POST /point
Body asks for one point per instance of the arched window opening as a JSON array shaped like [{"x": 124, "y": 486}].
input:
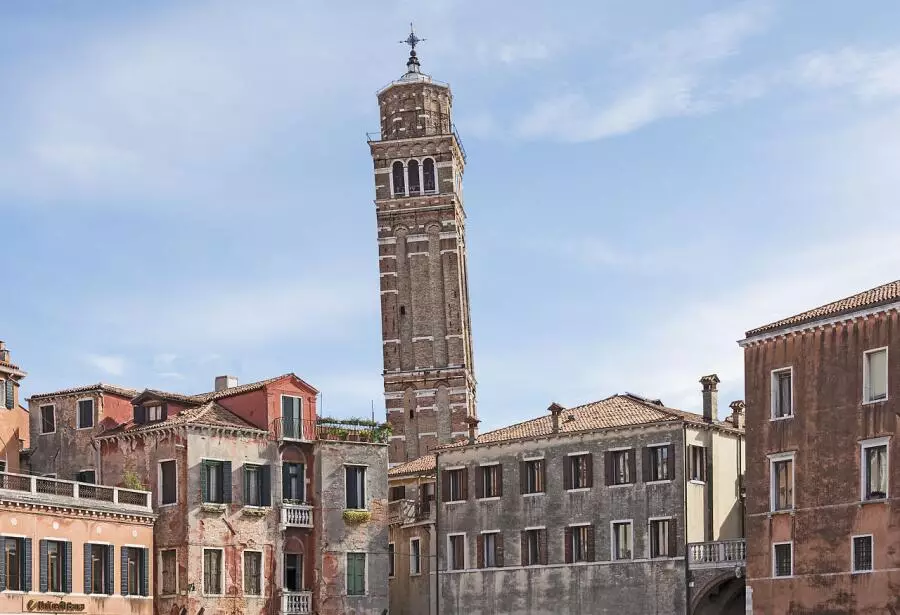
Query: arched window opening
[
  {"x": 412, "y": 169},
  {"x": 399, "y": 181},
  {"x": 428, "y": 174}
]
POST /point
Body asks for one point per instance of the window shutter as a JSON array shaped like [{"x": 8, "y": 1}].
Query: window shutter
[
  {"x": 524, "y": 545},
  {"x": 110, "y": 569},
  {"x": 523, "y": 477},
  {"x": 589, "y": 470},
  {"x": 567, "y": 472},
  {"x": 590, "y": 543},
  {"x": 27, "y": 575},
  {"x": 123, "y": 571},
  {"x": 140, "y": 415},
  {"x": 498, "y": 545},
  {"x": 703, "y": 464},
  {"x": 500, "y": 480},
  {"x": 44, "y": 563},
  {"x": 542, "y": 546},
  {"x": 608, "y": 467},
  {"x": 226, "y": 482},
  {"x": 87, "y": 568},
  {"x": 204, "y": 482},
  {"x": 542, "y": 464},
  {"x": 568, "y": 545},
  {"x": 445, "y": 486},
  {"x": 632, "y": 466},
  {"x": 246, "y": 485},
  {"x": 673, "y": 538},
  {"x": 646, "y": 460},
  {"x": 479, "y": 481},
  {"x": 265, "y": 491},
  {"x": 670, "y": 462},
  {"x": 2, "y": 563},
  {"x": 10, "y": 393},
  {"x": 164, "y": 411},
  {"x": 479, "y": 550},
  {"x": 145, "y": 572},
  {"x": 67, "y": 549},
  {"x": 286, "y": 481},
  {"x": 465, "y": 483}
]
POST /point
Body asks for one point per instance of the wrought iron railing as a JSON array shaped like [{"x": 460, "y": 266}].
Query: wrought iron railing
[
  {"x": 718, "y": 553},
  {"x": 72, "y": 492}
]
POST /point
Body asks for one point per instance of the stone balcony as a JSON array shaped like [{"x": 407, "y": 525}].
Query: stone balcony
[
  {"x": 296, "y": 515},
  {"x": 53, "y": 491},
  {"x": 718, "y": 554},
  {"x": 403, "y": 512},
  {"x": 296, "y": 603}
]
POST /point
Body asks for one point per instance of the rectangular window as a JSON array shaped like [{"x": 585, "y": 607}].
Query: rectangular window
[
  {"x": 291, "y": 408},
  {"x": 533, "y": 476},
  {"x": 168, "y": 564},
  {"x": 293, "y": 482},
  {"x": 621, "y": 540},
  {"x": 874, "y": 465},
  {"x": 213, "y": 481},
  {"x": 134, "y": 559},
  {"x": 580, "y": 544},
  {"x": 97, "y": 557},
  {"x": 48, "y": 419},
  {"x": 168, "y": 482},
  {"x": 56, "y": 563},
  {"x": 356, "y": 574},
  {"x": 356, "y": 487},
  {"x": 782, "y": 393},
  {"x": 875, "y": 375},
  {"x": 491, "y": 481},
  {"x": 252, "y": 573},
  {"x": 489, "y": 543},
  {"x": 154, "y": 413},
  {"x": 212, "y": 572},
  {"x": 782, "y": 470},
  {"x": 697, "y": 463},
  {"x": 86, "y": 476},
  {"x": 293, "y": 572},
  {"x": 622, "y": 467},
  {"x": 658, "y": 459},
  {"x": 861, "y": 547},
  {"x": 252, "y": 485},
  {"x": 397, "y": 493},
  {"x": 456, "y": 483},
  {"x": 457, "y": 551},
  {"x": 14, "y": 561},
  {"x": 782, "y": 559},
  {"x": 85, "y": 413},
  {"x": 660, "y": 538},
  {"x": 2, "y": 466},
  {"x": 391, "y": 563},
  {"x": 534, "y": 547},
  {"x": 578, "y": 473},
  {"x": 415, "y": 556}
]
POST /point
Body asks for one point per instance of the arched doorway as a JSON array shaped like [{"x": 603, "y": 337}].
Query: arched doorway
[{"x": 724, "y": 594}]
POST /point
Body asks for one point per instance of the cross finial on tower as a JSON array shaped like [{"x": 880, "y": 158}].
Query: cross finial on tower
[{"x": 412, "y": 64}]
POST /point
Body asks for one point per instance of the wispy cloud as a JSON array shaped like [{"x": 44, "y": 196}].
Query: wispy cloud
[
  {"x": 109, "y": 364},
  {"x": 872, "y": 75}
]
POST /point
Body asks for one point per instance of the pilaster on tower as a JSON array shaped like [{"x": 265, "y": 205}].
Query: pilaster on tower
[{"x": 429, "y": 382}]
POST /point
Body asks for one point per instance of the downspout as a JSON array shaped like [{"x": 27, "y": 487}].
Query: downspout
[
  {"x": 684, "y": 512},
  {"x": 438, "y": 499}
]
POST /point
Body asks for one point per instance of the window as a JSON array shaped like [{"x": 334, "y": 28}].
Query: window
[
  {"x": 659, "y": 462},
  {"x": 782, "y": 393},
  {"x": 56, "y": 562},
  {"x": 491, "y": 485},
  {"x": 154, "y": 413},
  {"x": 391, "y": 570},
  {"x": 456, "y": 485},
  {"x": 356, "y": 574},
  {"x": 168, "y": 564},
  {"x": 86, "y": 476},
  {"x": 293, "y": 572},
  {"x": 291, "y": 408},
  {"x": 532, "y": 476},
  {"x": 415, "y": 556},
  {"x": 861, "y": 547},
  {"x": 293, "y": 482},
  {"x": 134, "y": 572},
  {"x": 426, "y": 497},
  {"x": 620, "y": 467},
  {"x": 252, "y": 573},
  {"x": 397, "y": 493},
  {"x": 697, "y": 463},
  {"x": 215, "y": 481},
  {"x": 534, "y": 547},
  {"x": 412, "y": 175},
  {"x": 2, "y": 468},
  {"x": 621, "y": 540},
  {"x": 874, "y": 465},
  {"x": 2, "y": 392},
  {"x": 662, "y": 538},
  {"x": 875, "y": 375},
  {"x": 85, "y": 413},
  {"x": 212, "y": 572},
  {"x": 782, "y": 470},
  {"x": 356, "y": 486},
  {"x": 457, "y": 551},
  {"x": 579, "y": 545},
  {"x": 489, "y": 544},
  {"x": 578, "y": 471},
  {"x": 48, "y": 419},
  {"x": 16, "y": 576},
  {"x": 397, "y": 174},
  {"x": 98, "y": 568},
  {"x": 168, "y": 493},
  {"x": 428, "y": 174},
  {"x": 782, "y": 559},
  {"x": 257, "y": 485}
]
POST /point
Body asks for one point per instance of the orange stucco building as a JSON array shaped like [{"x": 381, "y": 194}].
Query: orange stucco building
[{"x": 13, "y": 417}]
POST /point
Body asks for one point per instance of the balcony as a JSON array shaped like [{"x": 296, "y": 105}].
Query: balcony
[
  {"x": 44, "y": 490},
  {"x": 289, "y": 428},
  {"x": 719, "y": 554},
  {"x": 296, "y": 603},
  {"x": 402, "y": 512},
  {"x": 296, "y": 515}
]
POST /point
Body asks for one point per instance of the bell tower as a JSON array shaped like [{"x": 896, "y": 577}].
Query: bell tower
[{"x": 429, "y": 381}]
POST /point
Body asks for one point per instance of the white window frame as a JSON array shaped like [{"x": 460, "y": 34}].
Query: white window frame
[
  {"x": 221, "y": 570},
  {"x": 484, "y": 552},
  {"x": 612, "y": 540},
  {"x": 774, "y": 393},
  {"x": 773, "y": 459},
  {"x": 774, "y": 560},
  {"x": 159, "y": 482},
  {"x": 418, "y": 570},
  {"x": 78, "y": 413},
  {"x": 866, "y": 377},
  {"x": 365, "y": 574},
  {"x": 853, "y": 569},
  {"x": 690, "y": 454},
  {"x": 863, "y": 469},
  {"x": 160, "y": 570},
  {"x": 262, "y": 576},
  {"x": 465, "y": 551},
  {"x": 148, "y": 418},
  {"x": 650, "y": 521},
  {"x": 41, "y": 419},
  {"x": 392, "y": 554}
]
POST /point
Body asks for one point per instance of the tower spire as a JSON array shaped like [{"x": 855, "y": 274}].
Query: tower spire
[{"x": 412, "y": 64}]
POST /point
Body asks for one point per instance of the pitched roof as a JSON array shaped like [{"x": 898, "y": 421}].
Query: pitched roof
[
  {"x": 880, "y": 295},
  {"x": 99, "y": 387},
  {"x": 208, "y": 414},
  {"x": 9, "y": 365},
  {"x": 425, "y": 463},
  {"x": 243, "y": 388}
]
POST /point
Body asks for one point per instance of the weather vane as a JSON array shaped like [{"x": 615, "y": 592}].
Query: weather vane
[{"x": 412, "y": 40}]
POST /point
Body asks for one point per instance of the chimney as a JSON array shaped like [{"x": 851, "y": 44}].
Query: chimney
[
  {"x": 710, "y": 398},
  {"x": 738, "y": 418},
  {"x": 4, "y": 353},
  {"x": 555, "y": 410},
  {"x": 225, "y": 382},
  {"x": 473, "y": 428}
]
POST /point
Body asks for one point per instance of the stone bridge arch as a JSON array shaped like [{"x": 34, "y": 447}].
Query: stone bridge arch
[{"x": 718, "y": 592}]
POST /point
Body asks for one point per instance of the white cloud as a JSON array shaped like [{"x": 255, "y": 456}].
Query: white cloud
[
  {"x": 109, "y": 364},
  {"x": 872, "y": 75}
]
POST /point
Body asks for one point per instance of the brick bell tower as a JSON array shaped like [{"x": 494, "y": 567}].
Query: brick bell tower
[{"x": 429, "y": 381}]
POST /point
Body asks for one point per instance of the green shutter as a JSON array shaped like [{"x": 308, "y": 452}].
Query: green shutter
[
  {"x": 123, "y": 571},
  {"x": 145, "y": 572},
  {"x": 67, "y": 571},
  {"x": 44, "y": 564},
  {"x": 226, "y": 482},
  {"x": 87, "y": 569},
  {"x": 3, "y": 563},
  {"x": 10, "y": 393},
  {"x": 356, "y": 574},
  {"x": 265, "y": 487},
  {"x": 110, "y": 570},
  {"x": 27, "y": 575},
  {"x": 204, "y": 484},
  {"x": 286, "y": 481}
]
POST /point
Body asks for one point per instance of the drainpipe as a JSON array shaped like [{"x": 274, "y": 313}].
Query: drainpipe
[
  {"x": 684, "y": 512},
  {"x": 438, "y": 499}
]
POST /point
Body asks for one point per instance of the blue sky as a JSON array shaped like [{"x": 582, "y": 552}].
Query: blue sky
[{"x": 186, "y": 190}]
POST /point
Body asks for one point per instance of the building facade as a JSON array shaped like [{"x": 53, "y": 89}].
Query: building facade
[
  {"x": 14, "y": 435},
  {"x": 821, "y": 392},
  {"x": 429, "y": 382}
]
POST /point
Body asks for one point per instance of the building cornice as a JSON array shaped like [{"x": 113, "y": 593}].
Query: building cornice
[
  {"x": 84, "y": 512},
  {"x": 819, "y": 323}
]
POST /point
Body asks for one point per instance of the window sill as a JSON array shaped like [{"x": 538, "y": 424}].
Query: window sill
[
  {"x": 694, "y": 481},
  {"x": 869, "y": 402},
  {"x": 534, "y": 493},
  {"x": 213, "y": 507},
  {"x": 781, "y": 418},
  {"x": 661, "y": 481},
  {"x": 620, "y": 485},
  {"x": 169, "y": 505},
  {"x": 862, "y": 571},
  {"x": 782, "y": 511},
  {"x": 493, "y": 498},
  {"x": 415, "y": 574},
  {"x": 48, "y": 433},
  {"x": 455, "y": 501},
  {"x": 578, "y": 490},
  {"x": 14, "y": 591},
  {"x": 873, "y": 501},
  {"x": 256, "y": 511}
]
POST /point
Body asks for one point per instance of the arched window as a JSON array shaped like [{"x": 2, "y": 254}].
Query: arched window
[
  {"x": 399, "y": 182},
  {"x": 428, "y": 174},
  {"x": 412, "y": 169}
]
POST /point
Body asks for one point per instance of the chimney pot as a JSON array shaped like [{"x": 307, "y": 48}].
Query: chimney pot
[
  {"x": 555, "y": 410},
  {"x": 710, "y": 398},
  {"x": 225, "y": 382},
  {"x": 4, "y": 353},
  {"x": 738, "y": 416},
  {"x": 473, "y": 428}
]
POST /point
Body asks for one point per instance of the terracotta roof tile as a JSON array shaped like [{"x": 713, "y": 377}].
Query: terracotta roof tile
[
  {"x": 241, "y": 388},
  {"x": 9, "y": 365},
  {"x": 99, "y": 387},
  {"x": 886, "y": 293},
  {"x": 210, "y": 413},
  {"x": 416, "y": 466}
]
